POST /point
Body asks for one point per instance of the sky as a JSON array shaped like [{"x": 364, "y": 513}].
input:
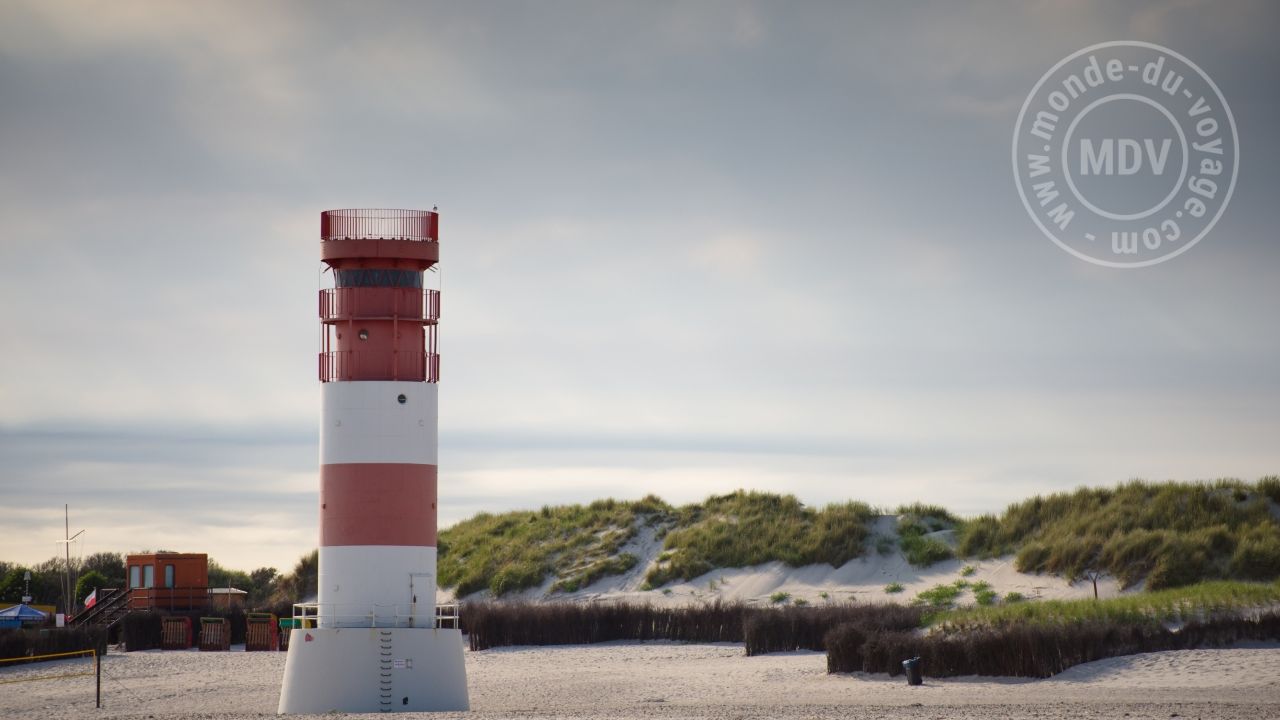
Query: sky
[{"x": 685, "y": 248}]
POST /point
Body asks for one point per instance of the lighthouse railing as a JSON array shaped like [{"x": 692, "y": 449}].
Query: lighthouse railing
[
  {"x": 375, "y": 615},
  {"x": 356, "y": 303}
]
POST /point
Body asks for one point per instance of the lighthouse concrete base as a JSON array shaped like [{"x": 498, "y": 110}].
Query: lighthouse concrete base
[{"x": 359, "y": 670}]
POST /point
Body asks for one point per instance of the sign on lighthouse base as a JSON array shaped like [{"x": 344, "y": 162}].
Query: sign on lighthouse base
[{"x": 365, "y": 670}]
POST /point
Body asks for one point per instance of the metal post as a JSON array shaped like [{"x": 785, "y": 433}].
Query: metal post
[{"x": 97, "y": 668}]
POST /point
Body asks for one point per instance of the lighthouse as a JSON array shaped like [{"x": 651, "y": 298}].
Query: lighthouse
[{"x": 374, "y": 639}]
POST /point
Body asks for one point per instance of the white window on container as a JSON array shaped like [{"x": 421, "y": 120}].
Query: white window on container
[
  {"x": 148, "y": 576},
  {"x": 135, "y": 576},
  {"x": 168, "y": 576}
]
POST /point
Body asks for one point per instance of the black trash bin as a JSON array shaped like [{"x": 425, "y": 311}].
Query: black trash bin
[{"x": 915, "y": 671}]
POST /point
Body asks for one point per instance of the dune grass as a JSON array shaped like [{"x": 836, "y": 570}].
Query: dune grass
[
  {"x": 577, "y": 544},
  {"x": 1161, "y": 534},
  {"x": 1168, "y": 534},
  {"x": 750, "y": 528},
  {"x": 915, "y": 522}
]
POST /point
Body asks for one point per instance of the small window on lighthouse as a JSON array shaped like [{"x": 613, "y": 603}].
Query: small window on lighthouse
[{"x": 364, "y": 334}]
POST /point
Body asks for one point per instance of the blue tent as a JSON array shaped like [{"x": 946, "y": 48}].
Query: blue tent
[{"x": 13, "y": 617}]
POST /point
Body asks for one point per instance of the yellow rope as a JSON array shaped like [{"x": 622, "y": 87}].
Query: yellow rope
[
  {"x": 51, "y": 655},
  {"x": 46, "y": 677},
  {"x": 73, "y": 653}
]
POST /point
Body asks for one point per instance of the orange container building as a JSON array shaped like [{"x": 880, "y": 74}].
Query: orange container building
[{"x": 168, "y": 581}]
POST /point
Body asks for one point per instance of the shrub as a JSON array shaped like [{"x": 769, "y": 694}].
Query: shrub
[
  {"x": 985, "y": 596},
  {"x": 1014, "y": 596},
  {"x": 893, "y": 588},
  {"x": 968, "y": 571},
  {"x": 805, "y": 628},
  {"x": 779, "y": 597},
  {"x": 774, "y": 629},
  {"x": 496, "y": 624},
  {"x": 1030, "y": 649}
]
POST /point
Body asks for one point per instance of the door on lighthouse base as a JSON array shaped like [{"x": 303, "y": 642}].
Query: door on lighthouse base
[{"x": 422, "y": 598}]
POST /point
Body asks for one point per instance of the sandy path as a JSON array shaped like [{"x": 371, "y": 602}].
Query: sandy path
[{"x": 666, "y": 680}]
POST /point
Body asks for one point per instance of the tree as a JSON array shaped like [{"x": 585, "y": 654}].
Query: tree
[
  {"x": 87, "y": 583},
  {"x": 220, "y": 576},
  {"x": 261, "y": 584},
  {"x": 109, "y": 564},
  {"x": 13, "y": 585},
  {"x": 300, "y": 585}
]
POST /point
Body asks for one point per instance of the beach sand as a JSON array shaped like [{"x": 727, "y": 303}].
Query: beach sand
[{"x": 670, "y": 680}]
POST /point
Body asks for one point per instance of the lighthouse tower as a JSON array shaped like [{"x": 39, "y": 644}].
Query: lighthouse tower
[{"x": 375, "y": 641}]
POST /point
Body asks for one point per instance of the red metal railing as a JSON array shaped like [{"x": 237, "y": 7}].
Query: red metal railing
[
  {"x": 364, "y": 303},
  {"x": 365, "y": 224},
  {"x": 175, "y": 598},
  {"x": 343, "y": 365}
]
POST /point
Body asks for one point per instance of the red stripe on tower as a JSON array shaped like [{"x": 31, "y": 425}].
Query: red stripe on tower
[{"x": 354, "y": 508}]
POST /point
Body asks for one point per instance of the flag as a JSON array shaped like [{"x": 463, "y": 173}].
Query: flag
[{"x": 91, "y": 599}]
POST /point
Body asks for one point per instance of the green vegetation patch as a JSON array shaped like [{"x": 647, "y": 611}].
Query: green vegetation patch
[
  {"x": 1191, "y": 602},
  {"x": 616, "y": 565},
  {"x": 1168, "y": 534},
  {"x": 914, "y": 523},
  {"x": 513, "y": 551},
  {"x": 939, "y": 596},
  {"x": 750, "y": 528}
]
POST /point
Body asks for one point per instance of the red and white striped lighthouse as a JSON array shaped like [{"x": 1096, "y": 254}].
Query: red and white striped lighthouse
[{"x": 375, "y": 641}]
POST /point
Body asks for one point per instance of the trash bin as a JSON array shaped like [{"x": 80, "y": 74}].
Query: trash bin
[{"x": 915, "y": 672}]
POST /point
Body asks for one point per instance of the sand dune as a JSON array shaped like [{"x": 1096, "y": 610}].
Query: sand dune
[
  {"x": 661, "y": 680},
  {"x": 859, "y": 580}
]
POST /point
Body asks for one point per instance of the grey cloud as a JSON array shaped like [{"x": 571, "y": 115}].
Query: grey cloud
[{"x": 695, "y": 238}]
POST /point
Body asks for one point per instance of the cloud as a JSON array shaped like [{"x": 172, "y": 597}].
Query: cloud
[{"x": 685, "y": 249}]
